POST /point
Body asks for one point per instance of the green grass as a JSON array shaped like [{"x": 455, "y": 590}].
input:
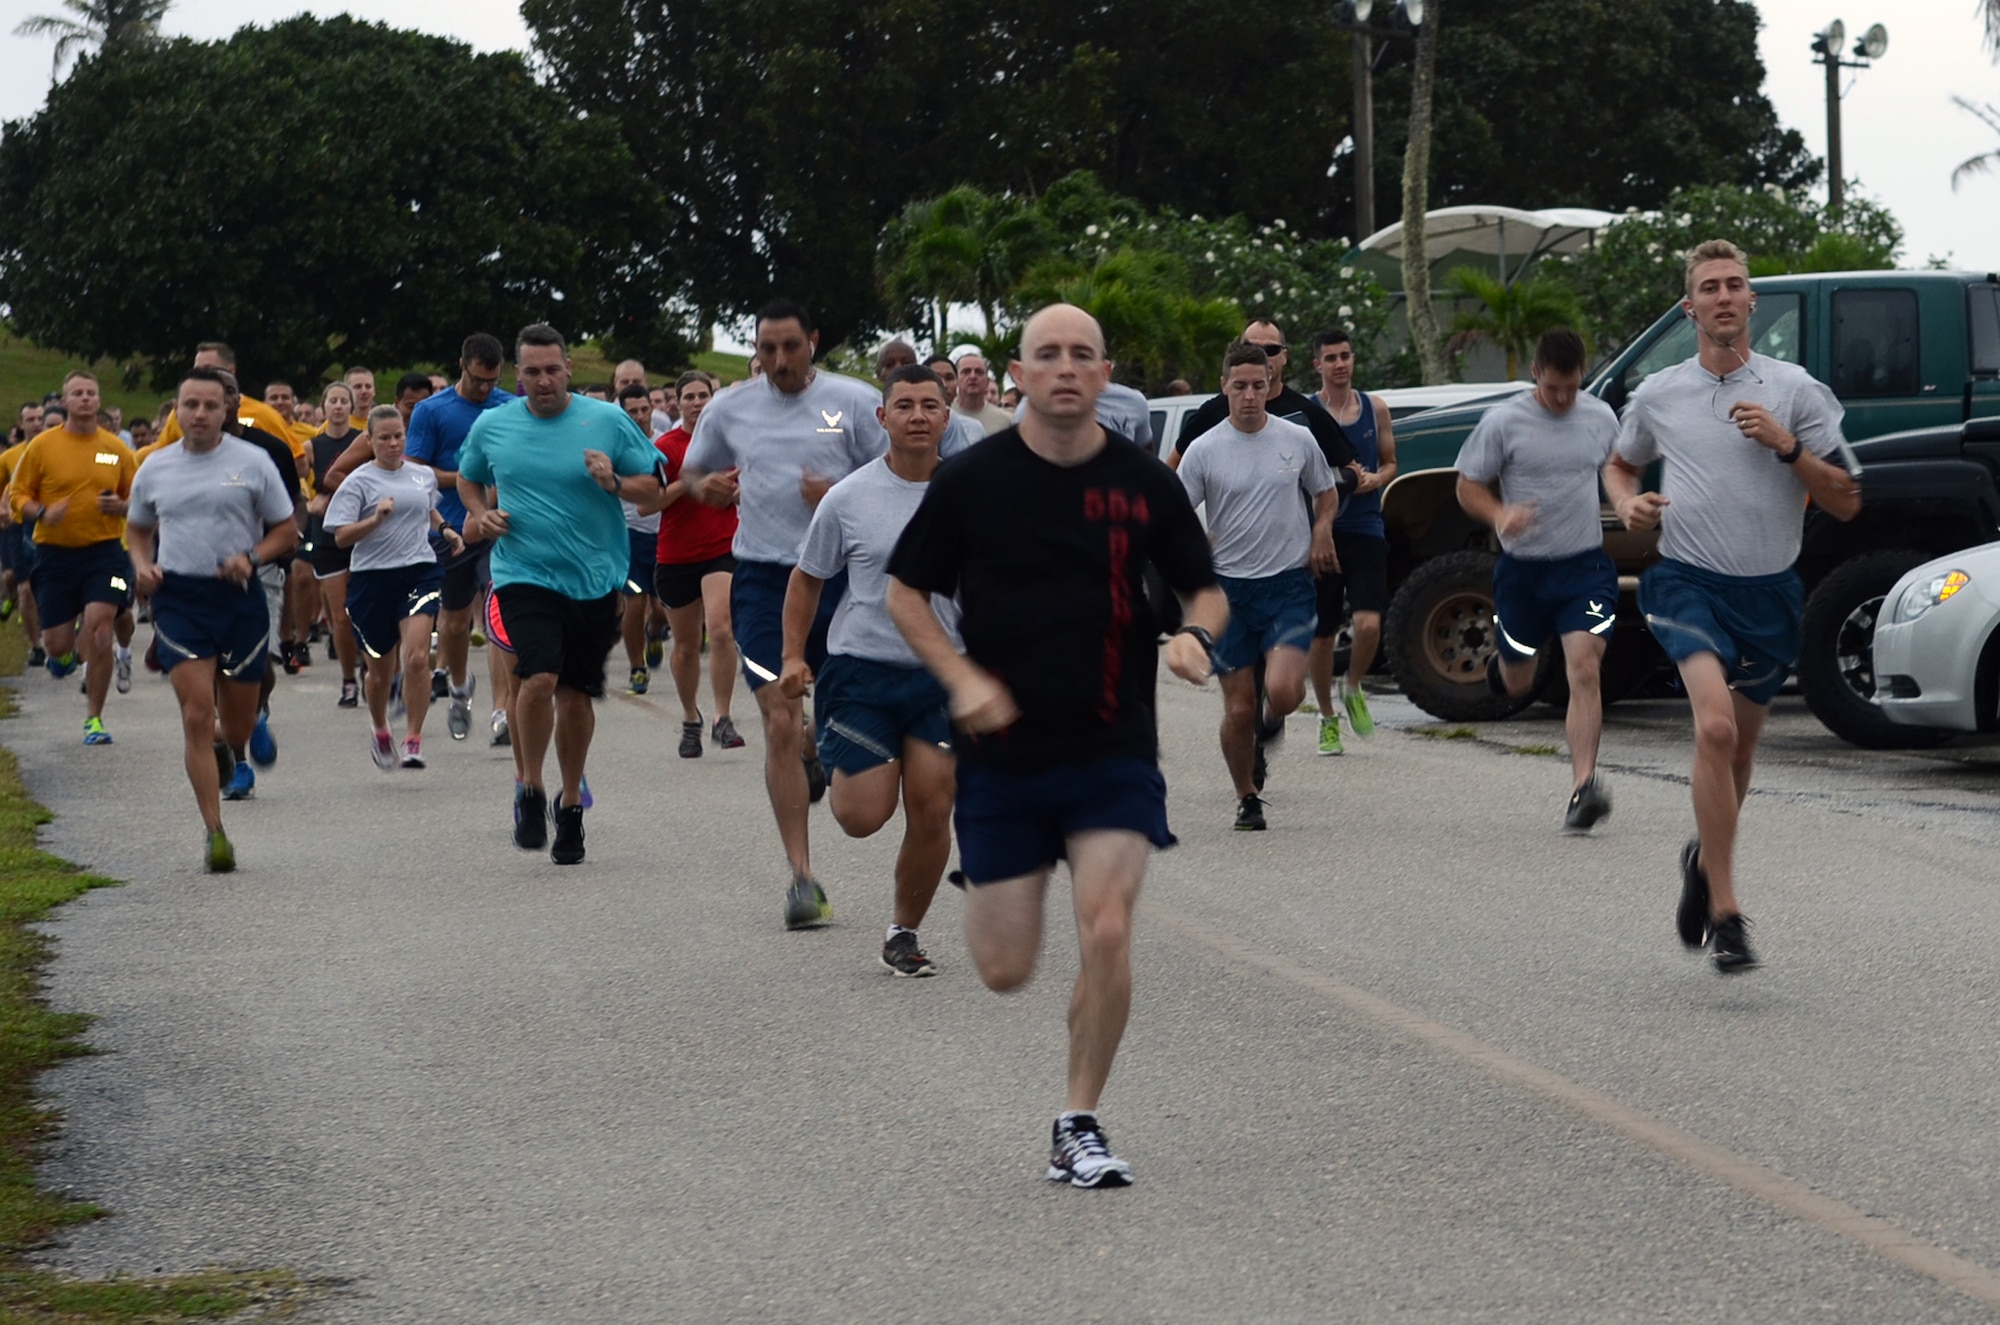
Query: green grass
[
  {"x": 35, "y": 1037},
  {"x": 1534, "y": 749},
  {"x": 1447, "y": 733}
]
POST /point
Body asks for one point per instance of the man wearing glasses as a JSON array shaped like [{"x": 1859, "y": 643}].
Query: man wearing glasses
[
  {"x": 1284, "y": 403},
  {"x": 1745, "y": 440}
]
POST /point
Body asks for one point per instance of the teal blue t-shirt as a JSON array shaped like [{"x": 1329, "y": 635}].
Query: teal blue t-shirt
[{"x": 563, "y": 531}]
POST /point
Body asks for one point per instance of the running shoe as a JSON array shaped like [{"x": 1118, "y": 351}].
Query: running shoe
[
  {"x": 458, "y": 720},
  {"x": 303, "y": 653},
  {"x": 531, "y": 818},
  {"x": 350, "y": 694},
  {"x": 691, "y": 739},
  {"x": 37, "y": 656},
  {"x": 263, "y": 745},
  {"x": 63, "y": 666},
  {"x": 221, "y": 855},
  {"x": 413, "y": 753},
  {"x": 290, "y": 659},
  {"x": 1250, "y": 815},
  {"x": 241, "y": 783},
  {"x": 382, "y": 747},
  {"x": 501, "y": 736},
  {"x": 1260, "y": 767},
  {"x": 121, "y": 673},
  {"x": 83, "y": 679},
  {"x": 725, "y": 735},
  {"x": 94, "y": 733},
  {"x": 640, "y": 681},
  {"x": 477, "y": 639},
  {"x": 1691, "y": 917},
  {"x": 805, "y": 904},
  {"x": 1329, "y": 735},
  {"x": 586, "y": 800},
  {"x": 225, "y": 763},
  {"x": 1732, "y": 945},
  {"x": 6, "y": 609},
  {"x": 1080, "y": 1155},
  {"x": 567, "y": 849},
  {"x": 902, "y": 955},
  {"x": 656, "y": 648},
  {"x": 1358, "y": 715},
  {"x": 440, "y": 684},
  {"x": 1588, "y": 804},
  {"x": 815, "y": 771}
]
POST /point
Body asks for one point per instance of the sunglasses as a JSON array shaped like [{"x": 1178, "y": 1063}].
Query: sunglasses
[{"x": 1268, "y": 349}]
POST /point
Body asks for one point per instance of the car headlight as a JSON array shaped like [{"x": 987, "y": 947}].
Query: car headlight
[{"x": 1922, "y": 596}]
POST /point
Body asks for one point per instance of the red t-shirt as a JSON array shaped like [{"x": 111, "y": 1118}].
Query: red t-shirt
[{"x": 690, "y": 531}]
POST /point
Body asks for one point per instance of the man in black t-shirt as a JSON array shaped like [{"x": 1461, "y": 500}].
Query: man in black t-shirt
[
  {"x": 1284, "y": 403},
  {"x": 1058, "y": 752}
]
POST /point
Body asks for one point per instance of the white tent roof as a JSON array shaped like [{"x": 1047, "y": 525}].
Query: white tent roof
[{"x": 1508, "y": 234}]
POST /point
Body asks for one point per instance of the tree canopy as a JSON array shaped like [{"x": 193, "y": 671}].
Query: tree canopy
[{"x": 320, "y": 192}]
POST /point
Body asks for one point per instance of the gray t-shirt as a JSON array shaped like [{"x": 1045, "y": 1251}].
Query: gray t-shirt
[
  {"x": 1552, "y": 460},
  {"x": 404, "y": 539},
  {"x": 1251, "y": 482},
  {"x": 207, "y": 506},
  {"x": 1732, "y": 507},
  {"x": 856, "y": 528},
  {"x": 772, "y": 440},
  {"x": 637, "y": 523}
]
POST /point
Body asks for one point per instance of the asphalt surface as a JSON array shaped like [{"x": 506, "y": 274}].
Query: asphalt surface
[{"x": 1407, "y": 1055}]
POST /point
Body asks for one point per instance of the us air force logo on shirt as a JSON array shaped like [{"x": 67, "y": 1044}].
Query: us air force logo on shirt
[{"x": 833, "y": 418}]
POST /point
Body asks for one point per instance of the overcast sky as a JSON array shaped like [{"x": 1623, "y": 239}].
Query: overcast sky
[{"x": 1901, "y": 134}]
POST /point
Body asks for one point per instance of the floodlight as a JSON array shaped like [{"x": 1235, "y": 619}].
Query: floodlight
[
  {"x": 1362, "y": 8},
  {"x": 1873, "y": 43},
  {"x": 1412, "y": 10},
  {"x": 1835, "y": 34}
]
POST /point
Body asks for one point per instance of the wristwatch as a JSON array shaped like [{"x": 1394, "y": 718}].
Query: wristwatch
[
  {"x": 1791, "y": 457},
  {"x": 1201, "y": 637},
  {"x": 255, "y": 560}
]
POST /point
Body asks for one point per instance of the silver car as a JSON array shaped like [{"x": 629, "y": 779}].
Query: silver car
[{"x": 1937, "y": 644}]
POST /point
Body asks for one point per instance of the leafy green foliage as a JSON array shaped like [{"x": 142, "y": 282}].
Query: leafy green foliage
[
  {"x": 1512, "y": 315},
  {"x": 109, "y": 25},
  {"x": 1156, "y": 329},
  {"x": 320, "y": 192},
  {"x": 966, "y": 247}
]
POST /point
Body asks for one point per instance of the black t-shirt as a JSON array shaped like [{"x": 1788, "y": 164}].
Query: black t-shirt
[
  {"x": 1048, "y": 563},
  {"x": 1293, "y": 407},
  {"x": 281, "y": 456}
]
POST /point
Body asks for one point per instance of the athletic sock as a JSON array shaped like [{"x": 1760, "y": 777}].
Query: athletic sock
[
  {"x": 894, "y": 930},
  {"x": 1071, "y": 1115},
  {"x": 121, "y": 653}
]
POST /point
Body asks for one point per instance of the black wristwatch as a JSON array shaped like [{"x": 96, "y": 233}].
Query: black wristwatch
[
  {"x": 1791, "y": 457},
  {"x": 1201, "y": 636}
]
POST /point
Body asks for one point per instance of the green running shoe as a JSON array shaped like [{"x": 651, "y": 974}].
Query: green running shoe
[
  {"x": 1329, "y": 735},
  {"x": 221, "y": 855},
  {"x": 1357, "y": 713}
]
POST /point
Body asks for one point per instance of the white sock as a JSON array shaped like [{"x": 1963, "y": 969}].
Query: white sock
[
  {"x": 121, "y": 653},
  {"x": 1071, "y": 1115},
  {"x": 894, "y": 930}
]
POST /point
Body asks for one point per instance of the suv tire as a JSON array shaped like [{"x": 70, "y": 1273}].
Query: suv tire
[{"x": 1438, "y": 635}]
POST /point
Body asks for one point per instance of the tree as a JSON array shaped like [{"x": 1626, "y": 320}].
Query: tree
[
  {"x": 966, "y": 247},
  {"x": 111, "y": 26},
  {"x": 320, "y": 192},
  {"x": 1511, "y": 314},
  {"x": 1155, "y": 327},
  {"x": 1416, "y": 201},
  {"x": 1988, "y": 115}
]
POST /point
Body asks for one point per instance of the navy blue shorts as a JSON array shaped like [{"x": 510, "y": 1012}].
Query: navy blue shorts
[
  {"x": 1749, "y": 622},
  {"x": 66, "y": 578},
  {"x": 1537, "y": 601},
  {"x": 379, "y": 601},
  {"x": 1268, "y": 612},
  {"x": 465, "y": 575},
  {"x": 197, "y": 616},
  {"x": 17, "y": 549},
  {"x": 865, "y": 710},
  {"x": 639, "y": 576},
  {"x": 1011, "y": 825},
  {"x": 757, "y": 613}
]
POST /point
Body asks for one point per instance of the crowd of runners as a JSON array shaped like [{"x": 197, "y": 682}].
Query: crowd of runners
[{"x": 934, "y": 601}]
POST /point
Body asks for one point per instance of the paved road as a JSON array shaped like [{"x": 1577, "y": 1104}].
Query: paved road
[{"x": 1409, "y": 1055}]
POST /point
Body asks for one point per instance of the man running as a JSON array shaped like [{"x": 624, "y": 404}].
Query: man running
[
  {"x": 561, "y": 463},
  {"x": 1058, "y": 753},
  {"x": 1250, "y": 470},
  {"x": 330, "y": 561},
  {"x": 780, "y": 442},
  {"x": 1359, "y": 585},
  {"x": 204, "y": 516},
  {"x": 1529, "y": 472},
  {"x": 971, "y": 402},
  {"x": 1744, "y": 439},
  {"x": 883, "y": 728},
  {"x": 642, "y": 528},
  {"x": 73, "y": 482}
]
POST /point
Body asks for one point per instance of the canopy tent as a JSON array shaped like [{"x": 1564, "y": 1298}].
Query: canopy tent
[{"x": 1512, "y": 238}]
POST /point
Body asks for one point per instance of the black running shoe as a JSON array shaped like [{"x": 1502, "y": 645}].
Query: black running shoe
[
  {"x": 806, "y": 906},
  {"x": 440, "y": 684},
  {"x": 903, "y": 955},
  {"x": 1691, "y": 918},
  {"x": 1250, "y": 815},
  {"x": 225, "y": 763},
  {"x": 531, "y": 819},
  {"x": 1259, "y": 768},
  {"x": 38, "y": 656},
  {"x": 691, "y": 739},
  {"x": 1588, "y": 804},
  {"x": 1495, "y": 682},
  {"x": 815, "y": 772},
  {"x": 1080, "y": 1155},
  {"x": 1732, "y": 945},
  {"x": 290, "y": 658},
  {"x": 568, "y": 847}
]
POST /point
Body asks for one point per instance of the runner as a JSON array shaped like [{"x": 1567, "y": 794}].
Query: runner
[
  {"x": 1057, "y": 660},
  {"x": 883, "y": 728},
  {"x": 1249, "y": 471},
  {"x": 73, "y": 483},
  {"x": 204, "y": 516},
  {"x": 1724, "y": 601},
  {"x": 361, "y": 381},
  {"x": 642, "y": 528},
  {"x": 692, "y": 578},
  {"x": 560, "y": 463},
  {"x": 503, "y": 683},
  {"x": 1529, "y": 472},
  {"x": 17, "y": 555},
  {"x": 438, "y": 427},
  {"x": 781, "y": 441},
  {"x": 330, "y": 561},
  {"x": 386, "y": 514},
  {"x": 1359, "y": 585}
]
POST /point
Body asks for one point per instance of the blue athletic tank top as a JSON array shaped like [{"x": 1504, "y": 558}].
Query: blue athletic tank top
[{"x": 1363, "y": 514}]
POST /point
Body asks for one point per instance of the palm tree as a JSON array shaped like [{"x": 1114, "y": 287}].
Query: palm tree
[
  {"x": 1989, "y": 12},
  {"x": 1157, "y": 330},
  {"x": 1988, "y": 115},
  {"x": 1513, "y": 316},
  {"x": 109, "y": 25},
  {"x": 964, "y": 247}
]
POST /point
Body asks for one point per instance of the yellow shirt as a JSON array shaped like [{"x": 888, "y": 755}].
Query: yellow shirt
[
  {"x": 254, "y": 414},
  {"x": 9, "y": 458},
  {"x": 59, "y": 465}
]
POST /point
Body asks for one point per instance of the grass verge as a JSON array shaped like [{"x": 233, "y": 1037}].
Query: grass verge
[
  {"x": 1446, "y": 733},
  {"x": 33, "y": 1038}
]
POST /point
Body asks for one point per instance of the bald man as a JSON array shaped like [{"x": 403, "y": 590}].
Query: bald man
[{"x": 1058, "y": 749}]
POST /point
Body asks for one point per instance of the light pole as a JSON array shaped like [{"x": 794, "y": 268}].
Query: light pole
[
  {"x": 1353, "y": 15},
  {"x": 1826, "y": 51}
]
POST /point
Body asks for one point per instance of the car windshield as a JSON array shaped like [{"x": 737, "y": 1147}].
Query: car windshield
[{"x": 1776, "y": 330}]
